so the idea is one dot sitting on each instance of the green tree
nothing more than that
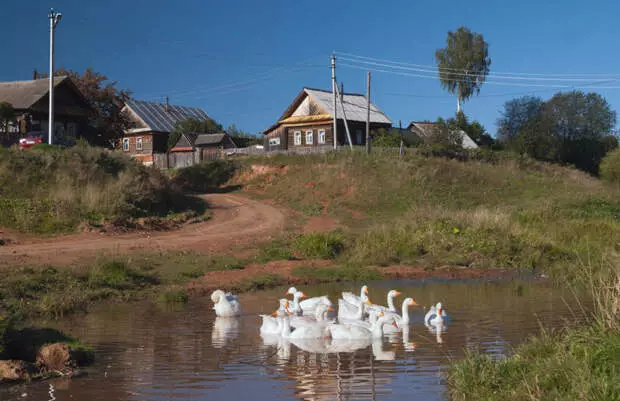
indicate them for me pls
(463, 64)
(192, 125)
(474, 130)
(610, 167)
(107, 123)
(516, 114)
(384, 138)
(7, 114)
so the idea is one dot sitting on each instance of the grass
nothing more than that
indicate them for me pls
(52, 190)
(174, 297)
(53, 291)
(499, 211)
(569, 364)
(334, 274)
(259, 283)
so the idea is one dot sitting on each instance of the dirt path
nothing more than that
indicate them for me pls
(236, 220)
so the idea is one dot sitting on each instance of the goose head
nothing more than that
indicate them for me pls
(393, 293)
(291, 291)
(438, 308)
(217, 295)
(299, 295)
(409, 302)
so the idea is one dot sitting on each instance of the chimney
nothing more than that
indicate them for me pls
(341, 92)
(35, 75)
(166, 106)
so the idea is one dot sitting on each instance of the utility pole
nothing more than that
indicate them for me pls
(55, 18)
(368, 113)
(334, 89)
(401, 151)
(344, 118)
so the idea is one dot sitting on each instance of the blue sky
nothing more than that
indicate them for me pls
(244, 61)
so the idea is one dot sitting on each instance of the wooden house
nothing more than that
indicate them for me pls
(192, 148)
(152, 123)
(424, 131)
(308, 121)
(30, 101)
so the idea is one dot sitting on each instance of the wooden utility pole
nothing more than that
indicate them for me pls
(346, 125)
(402, 144)
(334, 89)
(368, 113)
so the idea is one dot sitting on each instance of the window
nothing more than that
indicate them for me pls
(359, 137)
(139, 143)
(297, 138)
(309, 139)
(274, 141)
(126, 144)
(321, 136)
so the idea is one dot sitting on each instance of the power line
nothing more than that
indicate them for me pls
(488, 82)
(460, 70)
(490, 75)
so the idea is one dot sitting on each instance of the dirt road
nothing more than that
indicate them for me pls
(236, 220)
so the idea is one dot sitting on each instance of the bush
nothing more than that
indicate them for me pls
(205, 177)
(610, 167)
(174, 296)
(54, 189)
(320, 245)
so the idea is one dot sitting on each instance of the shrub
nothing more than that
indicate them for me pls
(320, 245)
(174, 296)
(205, 177)
(610, 167)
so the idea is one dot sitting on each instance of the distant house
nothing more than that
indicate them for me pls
(30, 99)
(152, 123)
(308, 121)
(424, 131)
(193, 148)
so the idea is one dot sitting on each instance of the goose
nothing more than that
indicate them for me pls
(309, 332)
(351, 311)
(226, 304)
(355, 332)
(354, 299)
(308, 305)
(401, 320)
(271, 323)
(435, 315)
(320, 317)
(390, 301)
(296, 309)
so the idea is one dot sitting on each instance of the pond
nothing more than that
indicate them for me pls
(148, 351)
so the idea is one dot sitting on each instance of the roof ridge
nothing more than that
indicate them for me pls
(328, 91)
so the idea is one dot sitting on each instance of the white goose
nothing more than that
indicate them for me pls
(309, 332)
(271, 323)
(355, 332)
(308, 306)
(354, 299)
(226, 304)
(351, 311)
(401, 320)
(320, 317)
(390, 301)
(436, 315)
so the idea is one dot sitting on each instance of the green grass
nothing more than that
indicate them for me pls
(334, 274)
(495, 210)
(51, 190)
(580, 364)
(174, 297)
(258, 283)
(53, 291)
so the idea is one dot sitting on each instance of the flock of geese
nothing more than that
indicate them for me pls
(357, 319)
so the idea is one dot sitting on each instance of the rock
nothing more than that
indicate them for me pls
(55, 356)
(13, 370)
(59, 356)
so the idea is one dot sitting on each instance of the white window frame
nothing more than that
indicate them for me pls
(139, 145)
(297, 138)
(125, 144)
(309, 134)
(322, 137)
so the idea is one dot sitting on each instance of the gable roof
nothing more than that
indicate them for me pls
(193, 139)
(24, 94)
(155, 116)
(426, 130)
(355, 107)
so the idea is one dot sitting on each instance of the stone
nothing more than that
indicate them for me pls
(14, 370)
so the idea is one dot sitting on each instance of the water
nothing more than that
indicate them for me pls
(153, 352)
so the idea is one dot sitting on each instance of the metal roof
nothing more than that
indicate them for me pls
(192, 139)
(426, 130)
(209, 139)
(355, 106)
(158, 119)
(24, 94)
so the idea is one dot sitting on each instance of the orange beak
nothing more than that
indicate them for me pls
(397, 292)
(413, 302)
(381, 314)
(330, 309)
(274, 313)
(302, 295)
(394, 324)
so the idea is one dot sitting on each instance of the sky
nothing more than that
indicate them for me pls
(243, 62)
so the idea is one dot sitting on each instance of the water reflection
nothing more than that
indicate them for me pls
(149, 353)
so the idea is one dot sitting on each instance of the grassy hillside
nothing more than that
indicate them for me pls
(499, 212)
(50, 189)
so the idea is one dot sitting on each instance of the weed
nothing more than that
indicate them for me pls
(260, 283)
(331, 274)
(174, 296)
(320, 245)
